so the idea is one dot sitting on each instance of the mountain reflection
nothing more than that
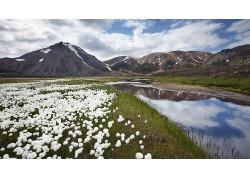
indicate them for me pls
(212, 116)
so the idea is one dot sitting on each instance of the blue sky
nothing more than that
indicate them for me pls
(108, 38)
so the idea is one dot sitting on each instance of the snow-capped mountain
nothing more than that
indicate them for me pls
(156, 61)
(180, 60)
(61, 59)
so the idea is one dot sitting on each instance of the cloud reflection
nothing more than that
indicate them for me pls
(189, 113)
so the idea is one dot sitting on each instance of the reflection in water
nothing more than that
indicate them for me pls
(202, 113)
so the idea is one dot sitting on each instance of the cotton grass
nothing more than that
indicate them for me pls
(42, 120)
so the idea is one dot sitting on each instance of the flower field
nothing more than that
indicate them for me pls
(53, 119)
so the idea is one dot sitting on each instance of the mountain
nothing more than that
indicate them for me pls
(159, 61)
(177, 61)
(237, 56)
(64, 59)
(61, 59)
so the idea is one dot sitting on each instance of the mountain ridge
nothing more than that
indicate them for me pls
(64, 59)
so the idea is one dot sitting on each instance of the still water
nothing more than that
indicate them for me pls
(223, 125)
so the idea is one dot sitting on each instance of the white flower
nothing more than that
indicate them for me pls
(129, 122)
(32, 155)
(120, 119)
(127, 140)
(148, 156)
(122, 136)
(140, 142)
(132, 126)
(144, 137)
(137, 133)
(6, 156)
(139, 116)
(117, 135)
(118, 143)
(132, 136)
(146, 121)
(92, 152)
(142, 146)
(139, 155)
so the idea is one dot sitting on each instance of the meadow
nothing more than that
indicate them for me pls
(82, 118)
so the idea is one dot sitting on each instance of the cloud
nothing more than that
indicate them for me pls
(191, 36)
(242, 30)
(190, 113)
(97, 23)
(239, 26)
(21, 36)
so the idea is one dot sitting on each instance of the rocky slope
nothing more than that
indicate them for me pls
(237, 56)
(64, 59)
(181, 60)
(157, 61)
(61, 59)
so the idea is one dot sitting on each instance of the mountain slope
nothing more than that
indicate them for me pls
(237, 56)
(61, 59)
(156, 61)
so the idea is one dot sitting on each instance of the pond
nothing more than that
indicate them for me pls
(220, 124)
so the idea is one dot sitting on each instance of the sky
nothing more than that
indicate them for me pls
(107, 29)
(109, 38)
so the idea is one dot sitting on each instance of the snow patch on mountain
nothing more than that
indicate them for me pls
(107, 66)
(41, 60)
(73, 49)
(20, 59)
(45, 51)
(159, 59)
(127, 57)
(195, 60)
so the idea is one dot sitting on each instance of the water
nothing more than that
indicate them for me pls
(221, 123)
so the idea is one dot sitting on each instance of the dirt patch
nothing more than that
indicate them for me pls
(237, 98)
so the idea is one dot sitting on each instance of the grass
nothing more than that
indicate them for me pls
(234, 84)
(161, 137)
(164, 139)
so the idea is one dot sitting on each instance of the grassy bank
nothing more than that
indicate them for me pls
(235, 84)
(164, 139)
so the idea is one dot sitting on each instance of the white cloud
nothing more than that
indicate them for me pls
(22, 36)
(191, 36)
(189, 113)
(239, 26)
(242, 30)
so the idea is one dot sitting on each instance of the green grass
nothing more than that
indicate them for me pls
(234, 84)
(164, 139)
